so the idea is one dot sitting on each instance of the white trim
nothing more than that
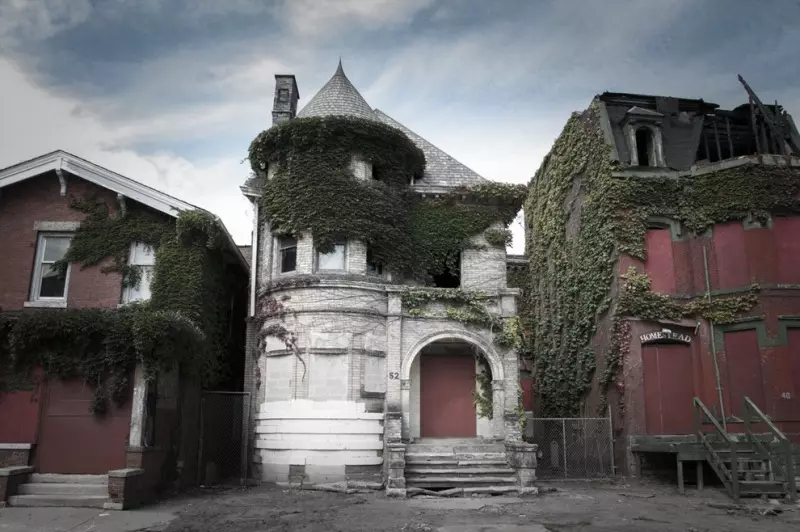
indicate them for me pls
(14, 446)
(55, 226)
(34, 300)
(155, 199)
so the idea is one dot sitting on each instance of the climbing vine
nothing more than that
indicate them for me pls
(581, 217)
(483, 394)
(186, 321)
(311, 187)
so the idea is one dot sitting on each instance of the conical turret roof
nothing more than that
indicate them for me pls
(338, 97)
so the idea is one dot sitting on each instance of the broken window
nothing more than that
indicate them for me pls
(450, 275)
(644, 146)
(288, 248)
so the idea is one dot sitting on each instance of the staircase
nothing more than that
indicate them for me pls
(81, 491)
(749, 464)
(473, 465)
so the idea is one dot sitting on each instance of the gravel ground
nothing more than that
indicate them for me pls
(615, 506)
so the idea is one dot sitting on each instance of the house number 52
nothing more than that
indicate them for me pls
(394, 375)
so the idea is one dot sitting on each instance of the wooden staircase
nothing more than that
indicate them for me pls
(748, 464)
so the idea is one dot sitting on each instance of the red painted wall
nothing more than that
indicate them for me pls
(741, 366)
(19, 413)
(39, 199)
(660, 265)
(447, 384)
(787, 243)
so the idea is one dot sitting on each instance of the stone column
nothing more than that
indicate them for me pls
(396, 481)
(394, 334)
(522, 458)
(405, 392)
(498, 407)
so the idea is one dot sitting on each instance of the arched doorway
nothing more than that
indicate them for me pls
(450, 389)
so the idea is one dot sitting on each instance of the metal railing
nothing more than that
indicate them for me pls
(729, 477)
(572, 448)
(773, 456)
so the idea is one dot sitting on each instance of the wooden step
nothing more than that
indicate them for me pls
(433, 481)
(761, 487)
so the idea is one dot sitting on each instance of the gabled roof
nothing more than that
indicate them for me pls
(441, 170)
(60, 161)
(338, 97)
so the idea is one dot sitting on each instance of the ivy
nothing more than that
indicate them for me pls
(313, 189)
(500, 238)
(185, 322)
(581, 218)
(482, 397)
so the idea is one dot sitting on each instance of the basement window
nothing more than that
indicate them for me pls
(288, 254)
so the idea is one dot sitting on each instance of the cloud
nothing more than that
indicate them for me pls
(40, 19)
(311, 18)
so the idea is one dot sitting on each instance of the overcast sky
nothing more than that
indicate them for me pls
(171, 92)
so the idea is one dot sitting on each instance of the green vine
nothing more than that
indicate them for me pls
(500, 238)
(580, 218)
(482, 396)
(187, 321)
(313, 189)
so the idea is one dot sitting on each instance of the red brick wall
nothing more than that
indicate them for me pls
(39, 199)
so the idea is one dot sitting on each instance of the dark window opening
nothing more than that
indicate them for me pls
(450, 275)
(644, 145)
(376, 173)
(374, 267)
(288, 247)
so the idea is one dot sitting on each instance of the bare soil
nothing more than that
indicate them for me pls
(608, 506)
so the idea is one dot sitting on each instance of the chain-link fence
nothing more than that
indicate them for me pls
(572, 447)
(223, 437)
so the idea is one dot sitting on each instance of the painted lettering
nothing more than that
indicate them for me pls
(661, 336)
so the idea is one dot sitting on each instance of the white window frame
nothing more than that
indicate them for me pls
(339, 241)
(127, 292)
(34, 299)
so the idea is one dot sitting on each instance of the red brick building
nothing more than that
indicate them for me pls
(49, 426)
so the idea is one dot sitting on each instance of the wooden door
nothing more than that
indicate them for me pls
(668, 389)
(447, 384)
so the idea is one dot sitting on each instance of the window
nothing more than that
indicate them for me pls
(333, 260)
(48, 285)
(644, 145)
(288, 248)
(374, 267)
(450, 274)
(143, 258)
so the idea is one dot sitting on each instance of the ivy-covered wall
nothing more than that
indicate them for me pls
(314, 190)
(195, 317)
(580, 218)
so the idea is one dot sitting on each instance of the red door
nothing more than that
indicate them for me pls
(446, 387)
(72, 439)
(668, 389)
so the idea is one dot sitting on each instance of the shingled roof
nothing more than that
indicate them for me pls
(338, 97)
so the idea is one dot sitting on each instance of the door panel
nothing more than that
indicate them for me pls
(669, 389)
(447, 384)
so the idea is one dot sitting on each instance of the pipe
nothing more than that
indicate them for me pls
(714, 345)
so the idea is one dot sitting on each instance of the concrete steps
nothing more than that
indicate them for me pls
(473, 465)
(76, 491)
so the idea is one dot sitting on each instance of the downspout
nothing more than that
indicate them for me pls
(714, 345)
(254, 262)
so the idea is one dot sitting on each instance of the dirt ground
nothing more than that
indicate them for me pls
(616, 506)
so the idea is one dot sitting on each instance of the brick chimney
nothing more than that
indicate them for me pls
(284, 107)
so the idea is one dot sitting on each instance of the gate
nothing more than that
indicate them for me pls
(224, 425)
(574, 448)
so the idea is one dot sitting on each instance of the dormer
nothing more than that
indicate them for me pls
(642, 129)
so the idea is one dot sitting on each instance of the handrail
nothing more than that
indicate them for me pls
(730, 478)
(749, 408)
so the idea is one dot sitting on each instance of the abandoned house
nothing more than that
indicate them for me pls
(382, 330)
(117, 303)
(663, 276)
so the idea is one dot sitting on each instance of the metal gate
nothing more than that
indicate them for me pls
(575, 448)
(224, 424)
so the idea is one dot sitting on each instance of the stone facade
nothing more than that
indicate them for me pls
(341, 398)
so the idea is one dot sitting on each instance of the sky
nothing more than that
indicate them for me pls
(171, 92)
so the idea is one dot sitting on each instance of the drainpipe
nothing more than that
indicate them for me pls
(254, 262)
(714, 345)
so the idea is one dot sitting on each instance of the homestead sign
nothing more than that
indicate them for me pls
(664, 336)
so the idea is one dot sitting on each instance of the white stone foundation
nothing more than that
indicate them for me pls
(312, 442)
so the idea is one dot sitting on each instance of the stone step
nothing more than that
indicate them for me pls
(457, 463)
(470, 457)
(456, 449)
(71, 501)
(51, 488)
(428, 481)
(57, 478)
(459, 471)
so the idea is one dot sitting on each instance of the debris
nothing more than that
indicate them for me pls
(639, 495)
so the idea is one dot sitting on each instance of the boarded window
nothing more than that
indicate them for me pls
(328, 377)
(278, 382)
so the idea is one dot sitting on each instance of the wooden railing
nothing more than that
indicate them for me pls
(729, 477)
(780, 446)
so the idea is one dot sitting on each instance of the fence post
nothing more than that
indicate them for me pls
(200, 474)
(564, 443)
(611, 441)
(245, 446)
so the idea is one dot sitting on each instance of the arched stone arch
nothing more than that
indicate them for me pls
(494, 360)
